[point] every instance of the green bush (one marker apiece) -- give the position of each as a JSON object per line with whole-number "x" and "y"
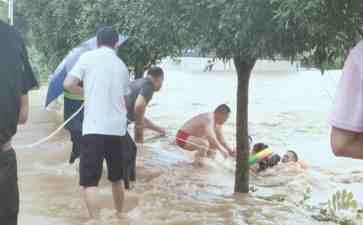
{"x": 3, "y": 11}
{"x": 39, "y": 65}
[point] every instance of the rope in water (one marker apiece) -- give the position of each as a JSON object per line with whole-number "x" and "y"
{"x": 46, "y": 139}
{"x": 55, "y": 132}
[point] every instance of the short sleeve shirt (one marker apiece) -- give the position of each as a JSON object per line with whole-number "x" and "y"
{"x": 16, "y": 79}
{"x": 348, "y": 106}
{"x": 143, "y": 87}
{"x": 105, "y": 81}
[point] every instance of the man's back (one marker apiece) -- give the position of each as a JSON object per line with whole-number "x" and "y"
{"x": 197, "y": 126}
{"x": 143, "y": 87}
{"x": 105, "y": 79}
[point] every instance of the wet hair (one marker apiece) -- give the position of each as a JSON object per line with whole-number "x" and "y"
{"x": 259, "y": 147}
{"x": 295, "y": 155}
{"x": 107, "y": 36}
{"x": 223, "y": 109}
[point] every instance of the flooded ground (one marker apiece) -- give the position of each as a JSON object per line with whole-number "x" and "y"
{"x": 288, "y": 110}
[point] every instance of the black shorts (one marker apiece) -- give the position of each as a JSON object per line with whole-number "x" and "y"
{"x": 94, "y": 149}
{"x": 9, "y": 192}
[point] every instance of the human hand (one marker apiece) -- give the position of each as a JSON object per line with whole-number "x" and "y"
{"x": 232, "y": 153}
{"x": 225, "y": 154}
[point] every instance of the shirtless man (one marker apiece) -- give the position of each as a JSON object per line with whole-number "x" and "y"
{"x": 203, "y": 134}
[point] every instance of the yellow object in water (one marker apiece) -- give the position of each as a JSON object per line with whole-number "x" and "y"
{"x": 260, "y": 156}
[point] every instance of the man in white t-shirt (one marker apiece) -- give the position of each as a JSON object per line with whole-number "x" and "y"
{"x": 105, "y": 85}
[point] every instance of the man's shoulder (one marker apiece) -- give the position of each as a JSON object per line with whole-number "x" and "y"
{"x": 142, "y": 82}
{"x": 88, "y": 55}
{"x": 359, "y": 45}
{"x": 120, "y": 63}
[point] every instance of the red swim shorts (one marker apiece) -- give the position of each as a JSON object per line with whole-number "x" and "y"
{"x": 181, "y": 138}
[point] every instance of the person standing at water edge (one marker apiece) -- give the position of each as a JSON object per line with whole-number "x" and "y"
{"x": 141, "y": 93}
{"x": 347, "y": 116}
{"x": 203, "y": 133}
{"x": 16, "y": 79}
{"x": 105, "y": 79}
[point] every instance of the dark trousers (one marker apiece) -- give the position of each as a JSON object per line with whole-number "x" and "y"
{"x": 76, "y": 137}
{"x": 74, "y": 126}
{"x": 9, "y": 191}
{"x": 131, "y": 152}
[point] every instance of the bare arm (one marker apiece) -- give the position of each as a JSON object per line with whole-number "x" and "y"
{"x": 142, "y": 122}
{"x": 213, "y": 140}
{"x": 347, "y": 143}
{"x": 152, "y": 126}
{"x": 71, "y": 84}
{"x": 222, "y": 140}
{"x": 24, "y": 109}
{"x": 140, "y": 108}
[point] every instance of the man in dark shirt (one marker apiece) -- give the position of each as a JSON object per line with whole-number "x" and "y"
{"x": 16, "y": 79}
{"x": 141, "y": 93}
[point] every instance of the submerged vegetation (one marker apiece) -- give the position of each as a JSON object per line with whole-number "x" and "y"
{"x": 341, "y": 209}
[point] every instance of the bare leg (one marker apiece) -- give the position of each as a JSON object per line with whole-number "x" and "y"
{"x": 212, "y": 153}
{"x": 118, "y": 192}
{"x": 90, "y": 195}
{"x": 200, "y": 145}
{"x": 347, "y": 144}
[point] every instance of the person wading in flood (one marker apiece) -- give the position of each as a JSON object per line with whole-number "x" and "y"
{"x": 141, "y": 93}
{"x": 347, "y": 116}
{"x": 203, "y": 133}
{"x": 16, "y": 80}
{"x": 105, "y": 87}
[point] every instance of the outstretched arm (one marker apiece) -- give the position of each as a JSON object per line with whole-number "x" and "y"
{"x": 222, "y": 140}
{"x": 213, "y": 140}
{"x": 140, "y": 108}
{"x": 347, "y": 143}
{"x": 152, "y": 126}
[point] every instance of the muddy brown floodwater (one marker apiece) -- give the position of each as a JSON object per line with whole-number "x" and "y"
{"x": 288, "y": 110}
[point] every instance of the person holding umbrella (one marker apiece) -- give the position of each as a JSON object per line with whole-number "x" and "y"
{"x": 72, "y": 102}
{"x": 105, "y": 87}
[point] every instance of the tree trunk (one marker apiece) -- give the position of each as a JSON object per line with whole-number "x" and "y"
{"x": 244, "y": 69}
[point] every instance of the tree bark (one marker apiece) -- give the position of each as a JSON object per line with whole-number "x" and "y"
{"x": 244, "y": 69}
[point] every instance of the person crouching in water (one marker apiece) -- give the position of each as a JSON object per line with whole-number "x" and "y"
{"x": 290, "y": 158}
{"x": 203, "y": 134}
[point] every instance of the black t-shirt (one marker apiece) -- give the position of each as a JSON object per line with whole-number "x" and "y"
{"x": 143, "y": 87}
{"x": 16, "y": 79}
